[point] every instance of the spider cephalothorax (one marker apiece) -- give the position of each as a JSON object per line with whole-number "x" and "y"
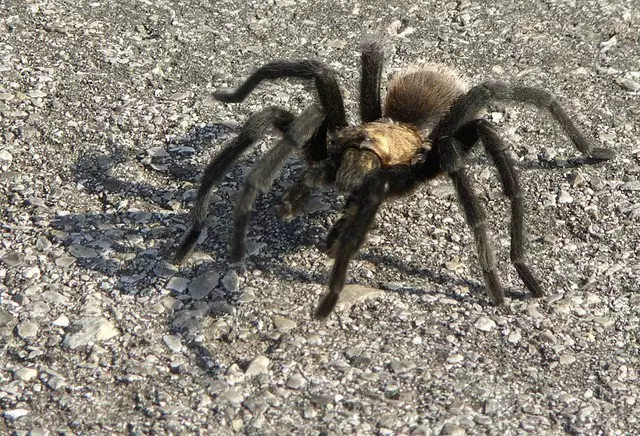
{"x": 426, "y": 126}
{"x": 373, "y": 145}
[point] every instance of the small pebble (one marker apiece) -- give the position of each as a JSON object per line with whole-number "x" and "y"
{"x": 610, "y": 43}
{"x": 577, "y": 179}
{"x": 82, "y": 252}
{"x": 158, "y": 152}
{"x": 567, "y": 359}
{"x": 564, "y": 198}
{"x": 283, "y": 325}
{"x": 485, "y": 324}
{"x": 233, "y": 396}
{"x": 25, "y": 374}
{"x": 200, "y": 287}
{"x": 14, "y": 414}
{"x": 354, "y": 294}
{"x": 12, "y": 259}
{"x": 27, "y": 329}
{"x": 177, "y": 284}
{"x": 173, "y": 342}
{"x": 296, "y": 381}
{"x": 61, "y": 321}
{"x": 88, "y": 330}
{"x": 514, "y": 337}
{"x": 259, "y": 365}
{"x": 455, "y": 358}
{"x": 31, "y": 273}
{"x": 230, "y": 281}
{"x": 65, "y": 261}
{"x": 631, "y": 186}
{"x": 628, "y": 84}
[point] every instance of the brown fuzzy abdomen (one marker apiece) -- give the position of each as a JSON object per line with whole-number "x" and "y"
{"x": 420, "y": 95}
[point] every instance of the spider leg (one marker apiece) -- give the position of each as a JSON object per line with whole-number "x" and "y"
{"x": 262, "y": 175}
{"x": 348, "y": 234}
{"x": 251, "y": 131}
{"x": 451, "y": 151}
{"x": 467, "y": 106}
{"x": 318, "y": 174}
{"x": 299, "y": 194}
{"x": 496, "y": 148}
{"x": 326, "y": 85}
{"x": 372, "y": 63}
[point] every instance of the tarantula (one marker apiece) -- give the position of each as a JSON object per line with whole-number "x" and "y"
{"x": 425, "y": 127}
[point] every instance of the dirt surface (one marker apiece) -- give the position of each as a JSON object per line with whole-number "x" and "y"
{"x": 106, "y": 121}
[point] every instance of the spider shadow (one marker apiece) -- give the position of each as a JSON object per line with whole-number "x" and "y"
{"x": 477, "y": 289}
{"x": 439, "y": 276}
{"x": 136, "y": 245}
{"x": 106, "y": 173}
{"x": 133, "y": 236}
{"x": 559, "y": 163}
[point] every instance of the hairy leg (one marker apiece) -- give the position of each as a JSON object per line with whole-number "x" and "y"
{"x": 347, "y": 236}
{"x": 262, "y": 175}
{"x": 317, "y": 175}
{"x": 252, "y": 130}
{"x": 467, "y": 106}
{"x": 372, "y": 63}
{"x": 348, "y": 233}
{"x": 451, "y": 152}
{"x": 326, "y": 84}
{"x": 496, "y": 148}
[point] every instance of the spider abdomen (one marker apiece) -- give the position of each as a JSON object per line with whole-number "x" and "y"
{"x": 422, "y": 94}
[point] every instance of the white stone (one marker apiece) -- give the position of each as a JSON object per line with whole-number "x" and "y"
{"x": 25, "y": 374}
{"x": 88, "y": 330}
{"x": 485, "y": 324}
{"x": 173, "y": 342}
{"x": 177, "y": 284}
{"x": 259, "y": 365}
{"x": 15, "y": 413}
{"x": 61, "y": 321}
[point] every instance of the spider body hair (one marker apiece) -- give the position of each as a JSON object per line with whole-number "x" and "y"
{"x": 425, "y": 126}
{"x": 420, "y": 95}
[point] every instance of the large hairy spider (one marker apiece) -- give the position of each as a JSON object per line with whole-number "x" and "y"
{"x": 426, "y": 127}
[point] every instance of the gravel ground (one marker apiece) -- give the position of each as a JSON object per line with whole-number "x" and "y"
{"x": 106, "y": 121}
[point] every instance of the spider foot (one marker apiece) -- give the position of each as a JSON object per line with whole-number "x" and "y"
{"x": 186, "y": 245}
{"x": 327, "y": 304}
{"x": 227, "y": 95}
{"x": 236, "y": 252}
{"x": 180, "y": 256}
{"x": 529, "y": 280}
{"x": 494, "y": 287}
